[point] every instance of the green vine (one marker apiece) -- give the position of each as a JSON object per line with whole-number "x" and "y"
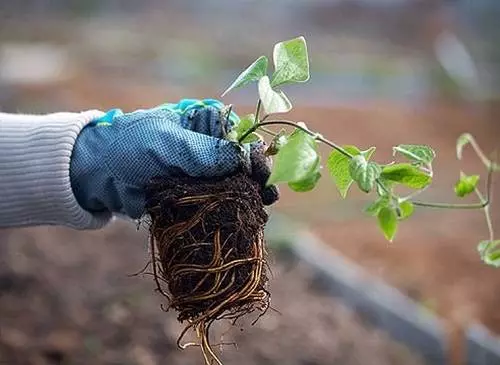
{"x": 298, "y": 163}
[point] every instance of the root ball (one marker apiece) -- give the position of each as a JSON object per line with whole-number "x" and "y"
{"x": 208, "y": 253}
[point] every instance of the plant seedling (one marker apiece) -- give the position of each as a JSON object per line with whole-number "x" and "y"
{"x": 207, "y": 236}
{"x": 297, "y": 161}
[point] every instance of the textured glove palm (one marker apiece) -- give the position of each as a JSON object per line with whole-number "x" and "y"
{"x": 116, "y": 156}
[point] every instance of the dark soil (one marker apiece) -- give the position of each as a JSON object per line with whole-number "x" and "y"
{"x": 207, "y": 243}
{"x": 66, "y": 298}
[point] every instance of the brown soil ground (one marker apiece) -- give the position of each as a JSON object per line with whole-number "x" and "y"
{"x": 65, "y": 298}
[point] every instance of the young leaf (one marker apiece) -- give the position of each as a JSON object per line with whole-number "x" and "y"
{"x": 490, "y": 252}
{"x": 273, "y": 101}
{"x": 277, "y": 142}
{"x": 252, "y": 73}
{"x": 466, "y": 185}
{"x": 241, "y": 128}
{"x": 462, "y": 141}
{"x": 309, "y": 182}
{"x": 246, "y": 122}
{"x": 374, "y": 208}
{"x": 363, "y": 172}
{"x": 252, "y": 137}
{"x": 406, "y": 174}
{"x": 291, "y": 62}
{"x": 338, "y": 166}
{"x": 388, "y": 222}
{"x": 405, "y": 210}
{"x": 416, "y": 153}
{"x": 296, "y": 159}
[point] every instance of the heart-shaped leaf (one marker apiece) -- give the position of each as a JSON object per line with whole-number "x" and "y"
{"x": 309, "y": 182}
{"x": 466, "y": 185}
{"x": 252, "y": 73}
{"x": 416, "y": 153}
{"x": 338, "y": 167}
{"x": 273, "y": 101}
{"x": 291, "y": 62}
{"x": 406, "y": 174}
{"x": 388, "y": 222}
{"x": 296, "y": 159}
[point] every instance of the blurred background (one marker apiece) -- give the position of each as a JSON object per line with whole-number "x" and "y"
{"x": 383, "y": 72}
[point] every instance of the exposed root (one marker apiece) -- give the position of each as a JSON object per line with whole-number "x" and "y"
{"x": 207, "y": 247}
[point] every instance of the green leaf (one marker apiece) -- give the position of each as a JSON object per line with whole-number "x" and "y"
{"x": 246, "y": 122}
{"x": 406, "y": 174}
{"x": 462, "y": 141}
{"x": 417, "y": 153}
{"x": 252, "y": 73}
{"x": 273, "y": 101}
{"x": 374, "y": 208}
{"x": 296, "y": 160}
{"x": 291, "y": 62}
{"x": 405, "y": 210}
{"x": 363, "y": 172}
{"x": 466, "y": 185}
{"x": 338, "y": 166}
{"x": 309, "y": 182}
{"x": 490, "y": 252}
{"x": 388, "y": 222}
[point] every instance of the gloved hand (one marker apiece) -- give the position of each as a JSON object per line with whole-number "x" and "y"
{"x": 117, "y": 155}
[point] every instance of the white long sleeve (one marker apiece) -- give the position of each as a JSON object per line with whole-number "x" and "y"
{"x": 35, "y": 187}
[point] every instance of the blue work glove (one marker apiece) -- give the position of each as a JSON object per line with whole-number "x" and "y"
{"x": 116, "y": 156}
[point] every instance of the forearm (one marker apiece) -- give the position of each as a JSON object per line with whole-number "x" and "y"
{"x": 35, "y": 188}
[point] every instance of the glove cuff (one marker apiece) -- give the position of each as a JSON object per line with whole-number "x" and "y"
{"x": 35, "y": 153}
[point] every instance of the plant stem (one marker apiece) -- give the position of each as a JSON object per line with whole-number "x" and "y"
{"x": 482, "y": 205}
{"x": 488, "y": 222}
{"x": 450, "y": 205}
{"x": 488, "y": 217}
{"x": 257, "y": 112}
{"x": 317, "y": 136}
{"x": 480, "y": 153}
{"x": 487, "y": 207}
{"x": 415, "y": 193}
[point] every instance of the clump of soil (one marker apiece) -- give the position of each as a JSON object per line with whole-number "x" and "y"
{"x": 208, "y": 254}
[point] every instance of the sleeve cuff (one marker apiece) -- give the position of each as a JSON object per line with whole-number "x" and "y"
{"x": 35, "y": 186}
